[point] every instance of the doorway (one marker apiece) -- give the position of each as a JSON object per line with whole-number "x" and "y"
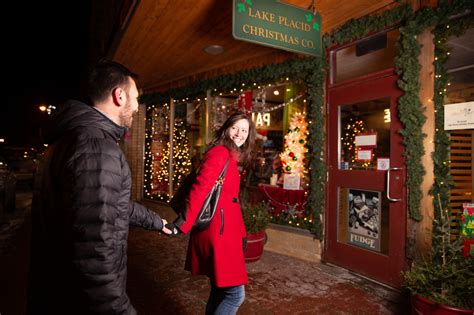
{"x": 366, "y": 208}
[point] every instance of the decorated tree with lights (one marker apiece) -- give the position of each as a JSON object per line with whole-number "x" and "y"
{"x": 294, "y": 162}
{"x": 293, "y": 156}
{"x": 351, "y": 130}
{"x": 181, "y": 157}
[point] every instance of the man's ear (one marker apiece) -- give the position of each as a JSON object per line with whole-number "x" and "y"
{"x": 118, "y": 96}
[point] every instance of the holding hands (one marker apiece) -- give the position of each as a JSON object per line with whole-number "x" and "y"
{"x": 165, "y": 228}
{"x": 169, "y": 228}
{"x": 172, "y": 228}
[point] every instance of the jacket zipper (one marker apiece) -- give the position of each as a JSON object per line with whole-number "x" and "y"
{"x": 222, "y": 221}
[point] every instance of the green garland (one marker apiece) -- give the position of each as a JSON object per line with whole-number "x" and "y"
{"x": 317, "y": 164}
{"x": 358, "y": 29}
{"x": 410, "y": 108}
{"x": 312, "y": 72}
{"x": 443, "y": 181}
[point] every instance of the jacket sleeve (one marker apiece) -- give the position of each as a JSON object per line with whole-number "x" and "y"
{"x": 143, "y": 217}
{"x": 212, "y": 165}
{"x": 99, "y": 228}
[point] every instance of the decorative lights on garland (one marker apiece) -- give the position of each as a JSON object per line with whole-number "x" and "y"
{"x": 443, "y": 181}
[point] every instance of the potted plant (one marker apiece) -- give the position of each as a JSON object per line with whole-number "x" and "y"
{"x": 443, "y": 282}
{"x": 256, "y": 219}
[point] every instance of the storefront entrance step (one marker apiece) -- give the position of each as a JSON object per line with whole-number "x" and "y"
{"x": 293, "y": 242}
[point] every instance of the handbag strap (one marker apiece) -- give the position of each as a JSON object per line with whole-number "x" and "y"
{"x": 220, "y": 179}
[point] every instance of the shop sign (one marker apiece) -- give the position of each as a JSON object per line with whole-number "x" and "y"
{"x": 459, "y": 116}
{"x": 261, "y": 120}
{"x": 278, "y": 25}
{"x": 365, "y": 142}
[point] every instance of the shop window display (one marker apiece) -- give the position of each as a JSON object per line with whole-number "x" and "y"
{"x": 158, "y": 128}
{"x": 277, "y": 111}
{"x": 183, "y": 151}
{"x": 271, "y": 107}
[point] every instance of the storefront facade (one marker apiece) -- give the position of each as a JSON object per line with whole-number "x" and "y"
{"x": 364, "y": 122}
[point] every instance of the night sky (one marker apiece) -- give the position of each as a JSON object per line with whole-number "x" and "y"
{"x": 45, "y": 49}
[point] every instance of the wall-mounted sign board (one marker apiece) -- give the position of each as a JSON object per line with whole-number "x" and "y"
{"x": 278, "y": 25}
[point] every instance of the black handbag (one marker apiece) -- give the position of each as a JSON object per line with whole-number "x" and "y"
{"x": 179, "y": 202}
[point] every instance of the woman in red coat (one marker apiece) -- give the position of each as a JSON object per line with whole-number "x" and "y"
{"x": 217, "y": 251}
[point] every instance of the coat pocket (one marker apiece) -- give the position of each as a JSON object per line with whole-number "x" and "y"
{"x": 222, "y": 222}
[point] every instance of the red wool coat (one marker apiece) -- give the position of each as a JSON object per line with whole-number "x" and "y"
{"x": 217, "y": 251}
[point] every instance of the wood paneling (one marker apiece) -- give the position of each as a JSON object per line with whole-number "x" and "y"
{"x": 132, "y": 147}
{"x": 423, "y": 242}
{"x": 164, "y": 40}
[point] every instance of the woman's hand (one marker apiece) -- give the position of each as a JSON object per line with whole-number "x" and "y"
{"x": 172, "y": 227}
{"x": 165, "y": 229}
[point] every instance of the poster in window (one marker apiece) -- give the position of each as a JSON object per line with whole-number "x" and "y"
{"x": 467, "y": 220}
{"x": 364, "y": 212}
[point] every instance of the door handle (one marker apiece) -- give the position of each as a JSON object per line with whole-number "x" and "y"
{"x": 388, "y": 183}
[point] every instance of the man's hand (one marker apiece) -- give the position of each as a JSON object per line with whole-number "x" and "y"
{"x": 165, "y": 228}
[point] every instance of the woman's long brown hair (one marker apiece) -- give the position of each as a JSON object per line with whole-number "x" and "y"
{"x": 222, "y": 138}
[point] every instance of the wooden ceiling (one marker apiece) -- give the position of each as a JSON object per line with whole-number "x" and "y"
{"x": 164, "y": 40}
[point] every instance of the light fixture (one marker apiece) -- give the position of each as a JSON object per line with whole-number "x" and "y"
{"x": 276, "y": 92}
{"x": 214, "y": 49}
{"x": 47, "y": 109}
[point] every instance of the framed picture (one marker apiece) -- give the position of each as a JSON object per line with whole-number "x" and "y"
{"x": 364, "y": 214}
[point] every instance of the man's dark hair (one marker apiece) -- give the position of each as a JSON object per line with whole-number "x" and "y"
{"x": 222, "y": 138}
{"x": 104, "y": 77}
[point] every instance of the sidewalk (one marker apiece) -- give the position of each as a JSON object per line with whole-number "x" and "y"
{"x": 157, "y": 283}
{"x": 278, "y": 284}
{"x": 14, "y": 257}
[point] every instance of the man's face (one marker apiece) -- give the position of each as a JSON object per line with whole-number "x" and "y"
{"x": 131, "y": 104}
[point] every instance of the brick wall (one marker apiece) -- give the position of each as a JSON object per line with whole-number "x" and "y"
{"x": 134, "y": 147}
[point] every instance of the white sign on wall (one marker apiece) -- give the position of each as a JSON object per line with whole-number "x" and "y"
{"x": 459, "y": 116}
{"x": 291, "y": 181}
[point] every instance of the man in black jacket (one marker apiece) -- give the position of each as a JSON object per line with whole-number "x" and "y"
{"x": 81, "y": 207}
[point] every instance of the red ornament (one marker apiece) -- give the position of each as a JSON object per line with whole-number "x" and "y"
{"x": 291, "y": 154}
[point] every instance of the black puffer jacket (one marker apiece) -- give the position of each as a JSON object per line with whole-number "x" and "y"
{"x": 81, "y": 216}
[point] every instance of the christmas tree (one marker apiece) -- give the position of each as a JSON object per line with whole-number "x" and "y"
{"x": 349, "y": 150}
{"x": 181, "y": 158}
{"x": 293, "y": 156}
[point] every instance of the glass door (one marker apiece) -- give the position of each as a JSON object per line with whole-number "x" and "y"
{"x": 366, "y": 220}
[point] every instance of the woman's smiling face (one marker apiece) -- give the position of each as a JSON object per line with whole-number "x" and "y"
{"x": 239, "y": 132}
